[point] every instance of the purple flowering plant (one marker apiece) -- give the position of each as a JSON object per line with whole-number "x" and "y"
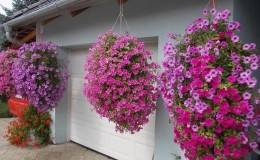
{"x": 208, "y": 89}
{"x": 39, "y": 75}
{"x": 6, "y": 81}
{"x": 120, "y": 81}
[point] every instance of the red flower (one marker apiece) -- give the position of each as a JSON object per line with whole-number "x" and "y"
{"x": 47, "y": 122}
{"x": 36, "y": 144}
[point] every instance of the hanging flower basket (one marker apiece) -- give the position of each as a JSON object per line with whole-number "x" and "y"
{"x": 120, "y": 81}
{"x": 39, "y": 75}
{"x": 6, "y": 81}
{"x": 208, "y": 88}
{"x": 17, "y": 106}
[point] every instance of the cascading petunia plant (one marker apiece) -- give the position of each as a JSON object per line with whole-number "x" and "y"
{"x": 208, "y": 88}
{"x": 120, "y": 81}
{"x": 39, "y": 75}
{"x": 6, "y": 81}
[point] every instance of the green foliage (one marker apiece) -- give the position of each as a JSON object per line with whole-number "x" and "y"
{"x": 39, "y": 124}
{"x": 4, "y": 109}
{"x": 31, "y": 122}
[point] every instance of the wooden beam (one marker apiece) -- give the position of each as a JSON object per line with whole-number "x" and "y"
{"x": 46, "y": 21}
{"x": 29, "y": 36}
{"x": 121, "y": 1}
{"x": 78, "y": 11}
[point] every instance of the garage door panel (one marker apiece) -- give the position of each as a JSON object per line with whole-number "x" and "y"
{"x": 89, "y": 129}
{"x": 77, "y": 69}
{"x": 77, "y": 94}
{"x": 78, "y": 106}
{"x": 121, "y": 146}
{"x": 77, "y": 83}
{"x": 143, "y": 152}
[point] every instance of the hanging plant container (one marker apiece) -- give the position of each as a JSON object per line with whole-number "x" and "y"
{"x": 7, "y": 87}
{"x": 39, "y": 75}
{"x": 120, "y": 83}
{"x": 17, "y": 106}
{"x": 208, "y": 89}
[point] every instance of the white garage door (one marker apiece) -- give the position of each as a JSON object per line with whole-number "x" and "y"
{"x": 88, "y": 129}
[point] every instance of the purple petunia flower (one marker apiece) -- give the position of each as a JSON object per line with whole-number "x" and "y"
{"x": 231, "y": 26}
{"x": 254, "y": 66}
{"x": 254, "y": 122}
{"x": 247, "y": 60}
{"x": 213, "y": 11}
{"x": 195, "y": 128}
{"x": 172, "y": 36}
{"x": 245, "y": 123}
{"x": 208, "y": 78}
{"x": 253, "y": 145}
{"x": 223, "y": 44}
{"x": 258, "y": 132}
{"x": 235, "y": 38}
{"x": 246, "y": 47}
{"x": 205, "y": 12}
{"x": 251, "y": 114}
{"x": 254, "y": 58}
{"x": 252, "y": 46}
{"x": 246, "y": 95}
{"x": 187, "y": 40}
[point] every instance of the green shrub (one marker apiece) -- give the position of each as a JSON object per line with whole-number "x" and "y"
{"x": 4, "y": 110}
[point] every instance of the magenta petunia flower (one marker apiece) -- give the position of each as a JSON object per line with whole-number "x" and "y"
{"x": 7, "y": 86}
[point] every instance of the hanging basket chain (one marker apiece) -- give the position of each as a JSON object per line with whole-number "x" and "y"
{"x": 41, "y": 32}
{"x": 121, "y": 18}
{"x": 211, "y": 2}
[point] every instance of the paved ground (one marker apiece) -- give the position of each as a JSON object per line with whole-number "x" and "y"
{"x": 67, "y": 151}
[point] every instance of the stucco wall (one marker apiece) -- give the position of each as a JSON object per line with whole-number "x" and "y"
{"x": 146, "y": 18}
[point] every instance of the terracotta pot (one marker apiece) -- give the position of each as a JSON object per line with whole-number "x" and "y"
{"x": 122, "y": 1}
{"x": 17, "y": 105}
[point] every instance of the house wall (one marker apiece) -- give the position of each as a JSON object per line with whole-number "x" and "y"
{"x": 146, "y": 18}
{"x": 247, "y": 13}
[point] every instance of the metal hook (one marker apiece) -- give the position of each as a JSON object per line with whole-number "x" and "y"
{"x": 176, "y": 157}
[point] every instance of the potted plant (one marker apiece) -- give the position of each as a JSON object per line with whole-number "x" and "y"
{"x": 31, "y": 128}
{"x": 209, "y": 89}
{"x": 7, "y": 88}
{"x": 39, "y": 75}
{"x": 120, "y": 81}
{"x": 18, "y": 105}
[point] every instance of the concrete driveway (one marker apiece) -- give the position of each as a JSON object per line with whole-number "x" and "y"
{"x": 66, "y": 151}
